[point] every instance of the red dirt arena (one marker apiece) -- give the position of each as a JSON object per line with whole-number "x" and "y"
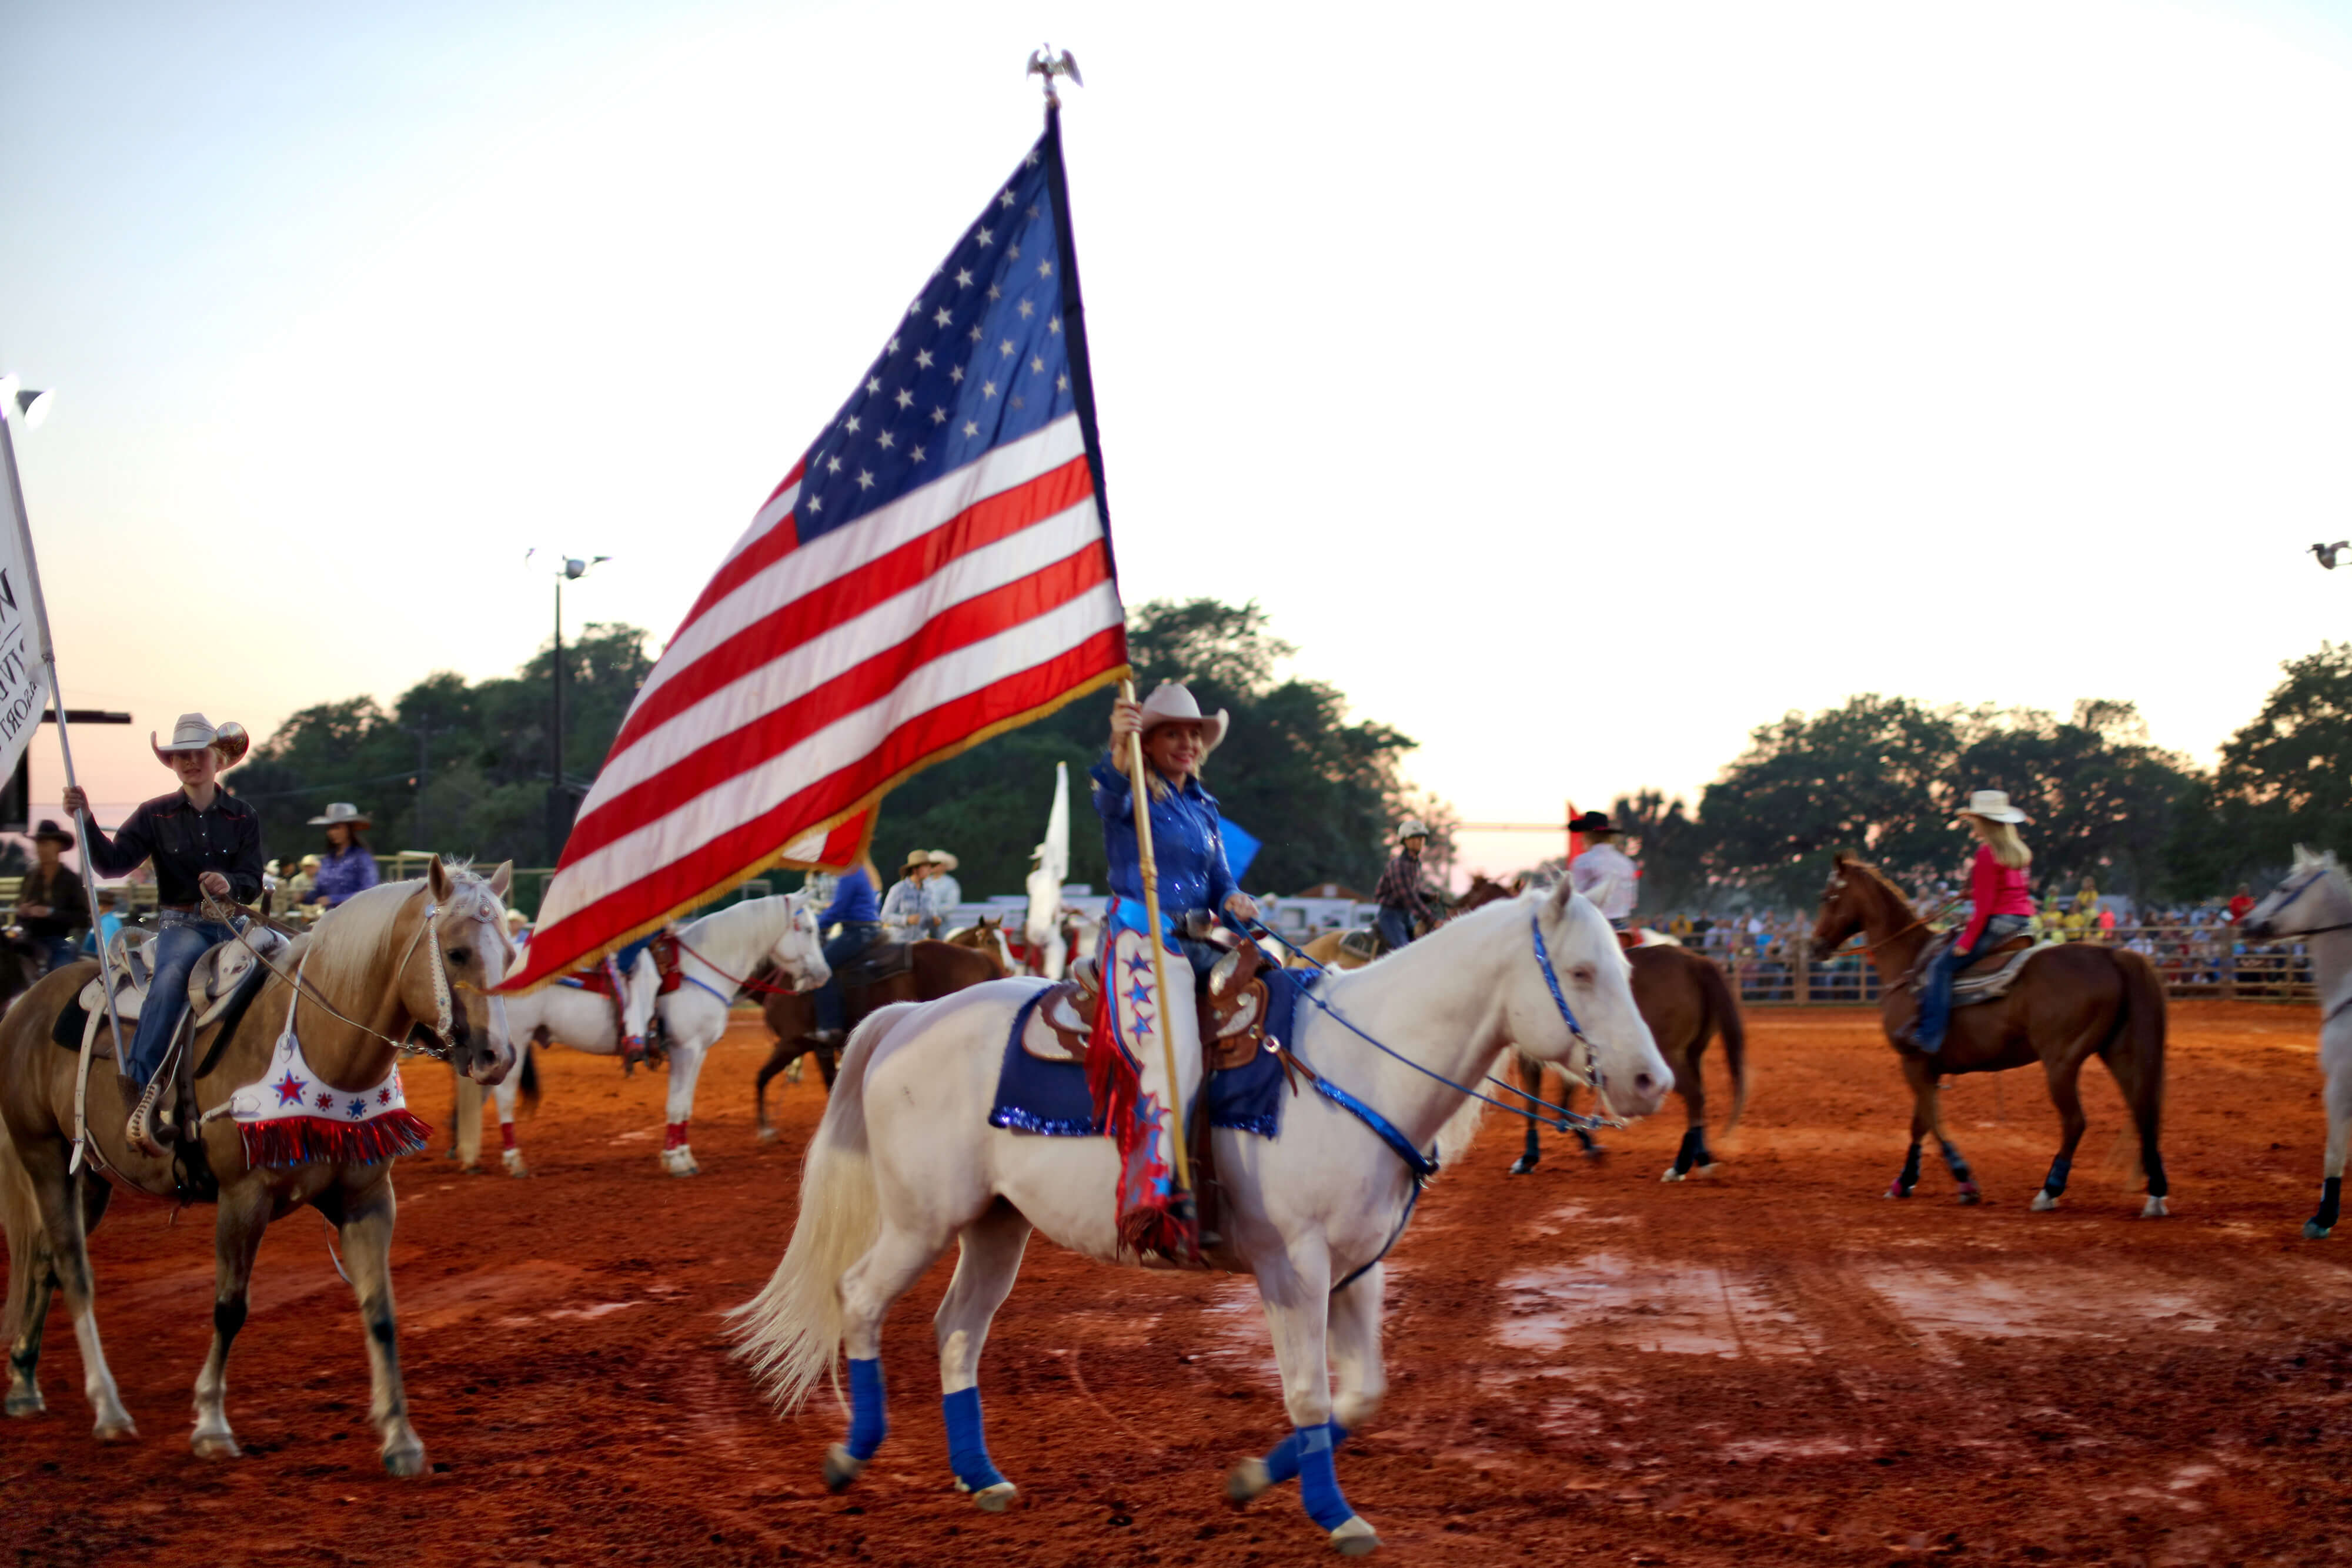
{"x": 1769, "y": 1365}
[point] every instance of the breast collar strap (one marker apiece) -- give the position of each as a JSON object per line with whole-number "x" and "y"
{"x": 1559, "y": 1000}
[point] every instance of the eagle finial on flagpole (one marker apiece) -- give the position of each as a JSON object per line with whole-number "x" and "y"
{"x": 1050, "y": 62}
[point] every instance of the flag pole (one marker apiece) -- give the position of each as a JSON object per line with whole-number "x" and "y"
{"x": 1150, "y": 867}
{"x": 24, "y": 525}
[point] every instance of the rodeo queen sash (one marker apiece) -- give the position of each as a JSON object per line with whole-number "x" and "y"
{"x": 295, "y": 1117}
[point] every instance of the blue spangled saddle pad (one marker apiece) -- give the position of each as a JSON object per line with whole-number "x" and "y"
{"x": 1051, "y": 1098}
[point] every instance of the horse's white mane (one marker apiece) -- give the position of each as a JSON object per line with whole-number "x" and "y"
{"x": 2306, "y": 859}
{"x": 340, "y": 956}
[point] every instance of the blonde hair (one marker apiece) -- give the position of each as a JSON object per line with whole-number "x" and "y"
{"x": 2009, "y": 851}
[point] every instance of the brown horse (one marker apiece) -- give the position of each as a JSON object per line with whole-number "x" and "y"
{"x": 1686, "y": 1001}
{"x": 2070, "y": 1003}
{"x": 394, "y": 960}
{"x": 934, "y": 970}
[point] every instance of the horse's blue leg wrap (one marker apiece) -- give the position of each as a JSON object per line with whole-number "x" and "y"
{"x": 2061, "y": 1168}
{"x": 868, "y": 1424}
{"x": 1282, "y": 1464}
{"x": 967, "y": 1445}
{"x": 1318, "y": 1482}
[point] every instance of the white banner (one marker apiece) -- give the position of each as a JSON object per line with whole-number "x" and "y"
{"x": 24, "y": 681}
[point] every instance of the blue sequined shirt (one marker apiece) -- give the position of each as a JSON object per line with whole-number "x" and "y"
{"x": 1187, "y": 840}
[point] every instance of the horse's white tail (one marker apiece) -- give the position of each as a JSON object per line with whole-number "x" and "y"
{"x": 790, "y": 1331}
{"x": 20, "y": 1218}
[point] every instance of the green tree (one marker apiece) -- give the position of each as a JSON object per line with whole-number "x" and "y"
{"x": 2285, "y": 779}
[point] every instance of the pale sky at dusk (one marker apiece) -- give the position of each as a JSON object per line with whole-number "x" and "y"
{"x": 1578, "y": 385}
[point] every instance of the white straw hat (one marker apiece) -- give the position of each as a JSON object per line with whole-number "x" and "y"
{"x": 344, "y": 812}
{"x": 944, "y": 860}
{"x": 1993, "y": 806}
{"x": 195, "y": 732}
{"x": 1172, "y": 704}
{"x": 1413, "y": 828}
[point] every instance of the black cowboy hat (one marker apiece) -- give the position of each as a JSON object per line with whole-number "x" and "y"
{"x": 50, "y": 831}
{"x": 1592, "y": 822}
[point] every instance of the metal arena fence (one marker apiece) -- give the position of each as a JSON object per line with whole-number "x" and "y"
{"x": 2205, "y": 962}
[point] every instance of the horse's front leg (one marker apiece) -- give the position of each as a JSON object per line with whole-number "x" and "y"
{"x": 685, "y": 1066}
{"x": 507, "y": 1095}
{"x": 1963, "y": 1179}
{"x": 1915, "y": 1073}
{"x": 991, "y": 1258}
{"x": 1296, "y": 1291}
{"x": 364, "y": 1217}
{"x": 1531, "y": 1073}
{"x": 236, "y": 1236}
{"x": 2339, "y": 1136}
{"x": 466, "y": 1144}
{"x": 1355, "y": 1330}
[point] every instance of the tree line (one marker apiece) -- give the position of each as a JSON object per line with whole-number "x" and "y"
{"x": 462, "y": 767}
{"x": 1883, "y": 775}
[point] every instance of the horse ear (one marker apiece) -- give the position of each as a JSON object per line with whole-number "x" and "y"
{"x": 436, "y": 879}
{"x": 502, "y": 879}
{"x": 1562, "y": 891}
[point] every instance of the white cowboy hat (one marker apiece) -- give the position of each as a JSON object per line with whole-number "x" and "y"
{"x": 195, "y": 732}
{"x": 944, "y": 860}
{"x": 1172, "y": 704}
{"x": 1413, "y": 828}
{"x": 346, "y": 813}
{"x": 1993, "y": 806}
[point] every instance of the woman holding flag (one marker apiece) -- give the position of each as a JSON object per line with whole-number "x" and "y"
{"x": 1132, "y": 1084}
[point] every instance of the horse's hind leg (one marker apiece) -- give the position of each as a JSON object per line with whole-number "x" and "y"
{"x": 2066, "y": 1094}
{"x": 365, "y": 1218}
{"x": 236, "y": 1237}
{"x": 895, "y": 1261}
{"x": 2339, "y": 1135}
{"x": 1530, "y": 1072}
{"x": 992, "y": 1248}
{"x": 1690, "y": 1084}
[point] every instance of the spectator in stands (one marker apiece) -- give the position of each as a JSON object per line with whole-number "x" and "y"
{"x": 906, "y": 908}
{"x": 943, "y": 890}
{"x": 51, "y": 903}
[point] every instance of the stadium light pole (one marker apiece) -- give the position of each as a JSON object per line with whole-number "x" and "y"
{"x": 569, "y": 569}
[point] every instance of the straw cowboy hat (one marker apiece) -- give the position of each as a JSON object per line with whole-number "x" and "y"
{"x": 916, "y": 860}
{"x": 1172, "y": 704}
{"x": 344, "y": 812}
{"x": 195, "y": 732}
{"x": 1412, "y": 828}
{"x": 946, "y": 861}
{"x": 50, "y": 833}
{"x": 1993, "y": 806}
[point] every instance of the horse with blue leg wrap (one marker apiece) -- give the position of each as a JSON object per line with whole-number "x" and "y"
{"x": 2313, "y": 906}
{"x": 906, "y": 1163}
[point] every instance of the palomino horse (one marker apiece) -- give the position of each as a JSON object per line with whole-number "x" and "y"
{"x": 2069, "y": 1004}
{"x": 934, "y": 969}
{"x": 716, "y": 956}
{"x": 1686, "y": 1001}
{"x": 906, "y": 1163}
{"x": 392, "y": 957}
{"x": 2313, "y": 906}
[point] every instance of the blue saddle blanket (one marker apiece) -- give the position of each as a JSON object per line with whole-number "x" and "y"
{"x": 1051, "y": 1098}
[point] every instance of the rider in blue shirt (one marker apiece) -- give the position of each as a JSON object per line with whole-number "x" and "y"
{"x": 853, "y": 907}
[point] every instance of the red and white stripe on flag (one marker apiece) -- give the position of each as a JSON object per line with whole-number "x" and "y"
{"x": 935, "y": 569}
{"x": 808, "y": 679}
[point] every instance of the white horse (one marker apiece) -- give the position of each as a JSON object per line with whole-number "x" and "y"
{"x": 2313, "y": 906}
{"x": 716, "y": 954}
{"x": 905, "y": 1162}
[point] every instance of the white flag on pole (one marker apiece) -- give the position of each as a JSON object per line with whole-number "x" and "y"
{"x": 1043, "y": 926}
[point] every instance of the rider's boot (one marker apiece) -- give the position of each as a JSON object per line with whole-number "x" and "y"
{"x": 140, "y": 1132}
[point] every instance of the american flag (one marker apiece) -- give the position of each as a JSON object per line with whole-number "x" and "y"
{"x": 936, "y": 569}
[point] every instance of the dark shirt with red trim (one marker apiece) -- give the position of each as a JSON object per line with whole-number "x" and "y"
{"x": 185, "y": 843}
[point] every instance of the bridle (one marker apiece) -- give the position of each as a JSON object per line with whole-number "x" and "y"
{"x": 1837, "y": 885}
{"x": 1559, "y": 1000}
{"x": 2285, "y": 902}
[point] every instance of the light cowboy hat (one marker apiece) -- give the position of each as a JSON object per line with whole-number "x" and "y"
{"x": 1412, "y": 828}
{"x": 344, "y": 812}
{"x": 195, "y": 732}
{"x": 1993, "y": 806}
{"x": 916, "y": 860}
{"x": 946, "y": 861}
{"x": 1172, "y": 704}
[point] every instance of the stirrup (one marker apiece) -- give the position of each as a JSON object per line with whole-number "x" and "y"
{"x": 139, "y": 1130}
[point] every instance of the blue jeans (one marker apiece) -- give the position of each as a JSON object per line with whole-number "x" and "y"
{"x": 1394, "y": 925}
{"x": 857, "y": 936}
{"x": 1935, "y": 1001}
{"x": 174, "y": 953}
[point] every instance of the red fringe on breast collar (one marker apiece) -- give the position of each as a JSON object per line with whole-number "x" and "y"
{"x": 315, "y": 1141}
